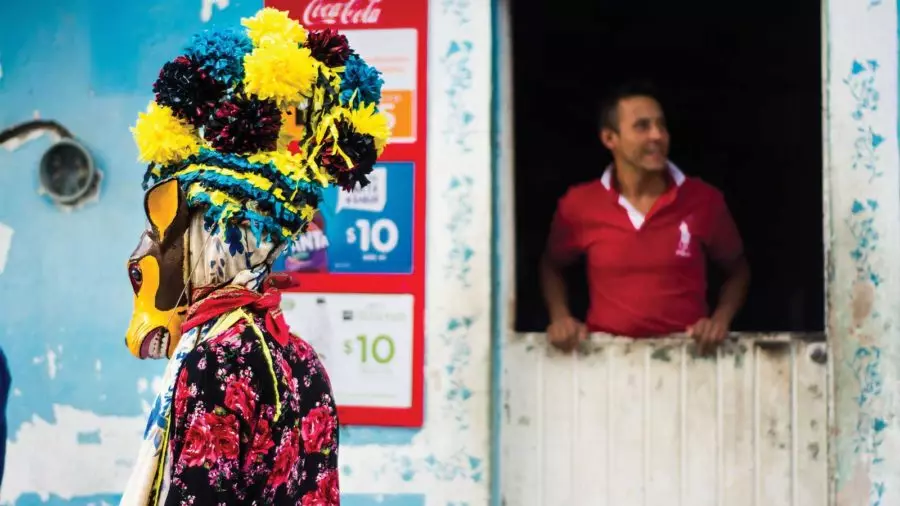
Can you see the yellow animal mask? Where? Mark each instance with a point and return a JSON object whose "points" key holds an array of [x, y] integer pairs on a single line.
{"points": [[159, 274]]}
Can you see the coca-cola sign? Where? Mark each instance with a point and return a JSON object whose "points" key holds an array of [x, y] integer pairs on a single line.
{"points": [[346, 12]]}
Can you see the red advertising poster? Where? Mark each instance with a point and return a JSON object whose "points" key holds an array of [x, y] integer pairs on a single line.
{"points": [[360, 268]]}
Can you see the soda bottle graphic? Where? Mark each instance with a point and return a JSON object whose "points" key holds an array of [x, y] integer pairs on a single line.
{"points": [[318, 330], [309, 252]]}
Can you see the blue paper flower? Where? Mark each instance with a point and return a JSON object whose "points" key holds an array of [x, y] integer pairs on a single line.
{"points": [[359, 77], [221, 54]]}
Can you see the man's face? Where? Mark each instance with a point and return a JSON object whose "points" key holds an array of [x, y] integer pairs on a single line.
{"points": [[157, 273], [643, 139]]}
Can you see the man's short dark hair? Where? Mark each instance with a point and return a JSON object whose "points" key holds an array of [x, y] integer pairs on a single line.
{"points": [[608, 111]]}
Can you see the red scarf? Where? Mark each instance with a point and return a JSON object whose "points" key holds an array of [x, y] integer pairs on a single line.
{"points": [[215, 302]]}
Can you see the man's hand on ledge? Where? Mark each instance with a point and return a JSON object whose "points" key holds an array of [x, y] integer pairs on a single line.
{"points": [[708, 333], [566, 333]]}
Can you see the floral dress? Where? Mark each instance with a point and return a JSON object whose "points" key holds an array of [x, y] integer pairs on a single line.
{"points": [[253, 423]]}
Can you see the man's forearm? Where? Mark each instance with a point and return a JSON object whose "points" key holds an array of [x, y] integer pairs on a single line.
{"points": [[553, 286], [734, 291]]}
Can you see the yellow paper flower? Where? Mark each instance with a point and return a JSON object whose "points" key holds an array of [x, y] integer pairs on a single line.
{"points": [[285, 162], [366, 120], [271, 26], [308, 212], [162, 138], [284, 73]]}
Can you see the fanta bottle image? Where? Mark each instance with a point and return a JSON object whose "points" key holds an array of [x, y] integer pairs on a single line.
{"points": [[309, 251]]}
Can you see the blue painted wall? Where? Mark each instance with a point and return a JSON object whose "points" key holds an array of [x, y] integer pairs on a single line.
{"points": [[64, 296]]}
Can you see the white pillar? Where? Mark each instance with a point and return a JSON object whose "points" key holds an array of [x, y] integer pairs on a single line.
{"points": [[862, 237]]}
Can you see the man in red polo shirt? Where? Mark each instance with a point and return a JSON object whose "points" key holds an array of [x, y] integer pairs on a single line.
{"points": [[647, 231]]}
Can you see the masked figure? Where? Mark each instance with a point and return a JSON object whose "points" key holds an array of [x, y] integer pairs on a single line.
{"points": [[246, 413]]}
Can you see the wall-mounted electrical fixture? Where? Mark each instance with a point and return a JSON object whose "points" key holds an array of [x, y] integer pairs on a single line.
{"points": [[66, 170]]}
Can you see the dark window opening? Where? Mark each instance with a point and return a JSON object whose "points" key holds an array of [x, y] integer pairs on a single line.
{"points": [[742, 94]]}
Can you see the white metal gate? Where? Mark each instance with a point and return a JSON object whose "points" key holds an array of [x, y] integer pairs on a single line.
{"points": [[627, 423]]}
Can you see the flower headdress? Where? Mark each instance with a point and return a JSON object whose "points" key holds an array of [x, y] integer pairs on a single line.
{"points": [[221, 115]]}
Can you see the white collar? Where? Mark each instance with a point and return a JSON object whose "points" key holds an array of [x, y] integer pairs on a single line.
{"points": [[674, 171]]}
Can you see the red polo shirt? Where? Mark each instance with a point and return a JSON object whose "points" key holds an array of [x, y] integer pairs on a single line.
{"points": [[646, 274]]}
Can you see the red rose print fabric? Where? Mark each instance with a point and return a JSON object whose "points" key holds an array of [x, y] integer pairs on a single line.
{"points": [[227, 445]]}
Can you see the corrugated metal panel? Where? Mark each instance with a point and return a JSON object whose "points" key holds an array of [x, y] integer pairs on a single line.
{"points": [[629, 423]]}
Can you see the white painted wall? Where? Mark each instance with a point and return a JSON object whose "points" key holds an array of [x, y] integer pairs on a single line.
{"points": [[863, 221]]}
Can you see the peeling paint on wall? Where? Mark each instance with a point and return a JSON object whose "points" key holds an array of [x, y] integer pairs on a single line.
{"points": [[50, 360], [63, 469], [17, 142], [206, 8], [6, 236]]}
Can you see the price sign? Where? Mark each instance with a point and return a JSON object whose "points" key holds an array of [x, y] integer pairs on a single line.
{"points": [[370, 230], [365, 342], [376, 240], [363, 348]]}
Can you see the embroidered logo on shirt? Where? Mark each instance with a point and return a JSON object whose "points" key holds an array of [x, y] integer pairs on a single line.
{"points": [[684, 244]]}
